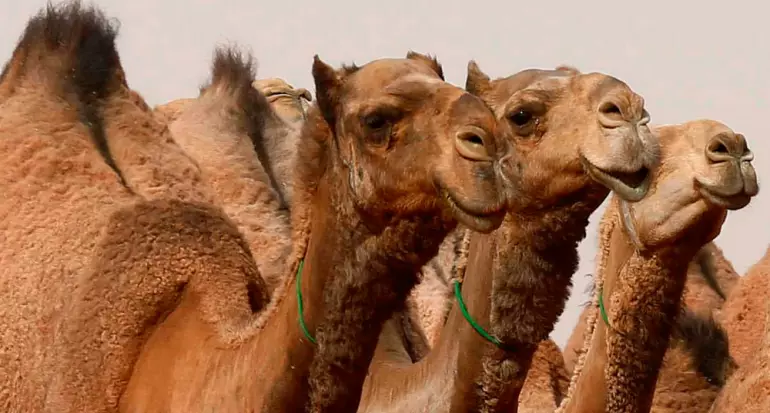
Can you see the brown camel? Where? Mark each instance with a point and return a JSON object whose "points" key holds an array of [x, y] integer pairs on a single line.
{"points": [[389, 159], [743, 313], [92, 255], [517, 279], [547, 380], [747, 317], [697, 362], [220, 130], [710, 279], [645, 250]]}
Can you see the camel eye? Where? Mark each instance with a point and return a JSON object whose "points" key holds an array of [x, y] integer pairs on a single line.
{"points": [[521, 117], [375, 121]]}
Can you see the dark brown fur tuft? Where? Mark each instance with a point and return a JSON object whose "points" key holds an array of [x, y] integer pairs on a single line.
{"points": [[431, 61], [707, 343], [74, 48], [233, 73]]}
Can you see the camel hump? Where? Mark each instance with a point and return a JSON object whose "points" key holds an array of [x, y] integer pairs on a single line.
{"points": [[73, 50], [232, 75]]}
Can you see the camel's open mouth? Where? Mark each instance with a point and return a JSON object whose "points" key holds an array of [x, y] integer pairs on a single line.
{"points": [[714, 196], [630, 186], [483, 222]]}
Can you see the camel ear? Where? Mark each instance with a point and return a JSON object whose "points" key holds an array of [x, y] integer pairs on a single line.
{"points": [[569, 69], [327, 88], [477, 81], [428, 60]]}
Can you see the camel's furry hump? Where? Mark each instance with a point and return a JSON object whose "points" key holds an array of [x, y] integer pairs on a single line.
{"points": [[77, 241], [78, 62], [222, 130]]}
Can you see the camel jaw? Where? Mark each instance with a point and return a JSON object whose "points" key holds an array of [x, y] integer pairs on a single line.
{"points": [[629, 186]]}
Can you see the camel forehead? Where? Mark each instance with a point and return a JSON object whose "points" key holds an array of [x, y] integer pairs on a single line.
{"points": [[695, 133], [271, 82], [374, 77]]}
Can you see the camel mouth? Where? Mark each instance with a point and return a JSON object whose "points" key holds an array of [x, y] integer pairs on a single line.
{"points": [[716, 197], [629, 186], [484, 222]]}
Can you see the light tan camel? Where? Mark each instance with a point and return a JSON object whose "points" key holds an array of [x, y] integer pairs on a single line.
{"points": [[283, 124], [517, 279], [645, 250], [746, 317], [92, 255], [710, 279], [398, 156], [697, 362], [219, 131]]}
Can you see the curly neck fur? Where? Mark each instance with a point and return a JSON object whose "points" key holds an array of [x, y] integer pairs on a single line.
{"points": [[357, 275], [642, 292], [532, 263]]}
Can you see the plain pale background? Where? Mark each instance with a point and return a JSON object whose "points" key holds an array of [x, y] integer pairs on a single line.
{"points": [[689, 59]]}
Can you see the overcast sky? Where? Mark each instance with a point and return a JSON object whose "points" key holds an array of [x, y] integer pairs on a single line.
{"points": [[689, 59]]}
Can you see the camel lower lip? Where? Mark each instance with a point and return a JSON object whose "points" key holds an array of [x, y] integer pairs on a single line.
{"points": [[630, 186], [732, 202], [480, 222]]}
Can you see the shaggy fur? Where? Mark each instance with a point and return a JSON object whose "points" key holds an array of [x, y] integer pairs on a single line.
{"points": [[642, 274], [221, 131], [709, 267], [88, 265], [742, 314], [748, 390], [348, 284], [517, 278]]}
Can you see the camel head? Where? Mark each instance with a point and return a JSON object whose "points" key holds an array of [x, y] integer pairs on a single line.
{"points": [[574, 133], [705, 170], [412, 143], [289, 103]]}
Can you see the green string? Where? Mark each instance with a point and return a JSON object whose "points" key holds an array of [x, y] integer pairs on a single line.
{"points": [[301, 308], [468, 317], [602, 310]]}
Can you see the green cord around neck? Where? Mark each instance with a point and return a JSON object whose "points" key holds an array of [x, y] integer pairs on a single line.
{"points": [[300, 307], [464, 310], [602, 310]]}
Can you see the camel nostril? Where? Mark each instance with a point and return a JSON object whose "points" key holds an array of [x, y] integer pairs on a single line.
{"points": [[610, 115], [718, 151], [470, 143], [609, 108]]}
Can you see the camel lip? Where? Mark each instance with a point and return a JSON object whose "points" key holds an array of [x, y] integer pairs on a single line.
{"points": [[629, 186], [484, 222], [714, 196]]}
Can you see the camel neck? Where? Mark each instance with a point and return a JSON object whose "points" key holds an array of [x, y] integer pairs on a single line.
{"points": [[354, 277], [641, 292], [526, 268]]}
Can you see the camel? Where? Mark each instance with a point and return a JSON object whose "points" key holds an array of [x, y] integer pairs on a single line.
{"points": [[97, 241], [283, 123], [516, 280], [290, 103], [219, 130], [697, 362], [645, 250], [710, 279], [746, 317], [742, 314], [390, 159]]}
